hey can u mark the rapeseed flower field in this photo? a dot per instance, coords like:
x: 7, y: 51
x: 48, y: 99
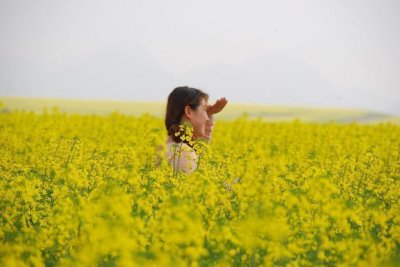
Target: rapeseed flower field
x: 91, y: 190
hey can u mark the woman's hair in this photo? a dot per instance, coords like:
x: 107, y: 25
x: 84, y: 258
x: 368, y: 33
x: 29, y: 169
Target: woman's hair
x: 177, y: 100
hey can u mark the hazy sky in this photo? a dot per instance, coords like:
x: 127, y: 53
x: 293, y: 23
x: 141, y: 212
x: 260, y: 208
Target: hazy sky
x: 306, y: 53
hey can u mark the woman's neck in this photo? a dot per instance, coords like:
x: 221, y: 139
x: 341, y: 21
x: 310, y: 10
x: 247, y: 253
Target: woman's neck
x: 169, y: 139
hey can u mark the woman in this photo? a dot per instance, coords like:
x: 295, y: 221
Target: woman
x: 188, y: 105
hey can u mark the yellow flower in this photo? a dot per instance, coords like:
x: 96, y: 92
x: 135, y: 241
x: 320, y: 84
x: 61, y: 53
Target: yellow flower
x: 305, y: 194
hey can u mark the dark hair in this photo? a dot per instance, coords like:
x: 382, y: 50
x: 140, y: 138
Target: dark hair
x: 177, y: 100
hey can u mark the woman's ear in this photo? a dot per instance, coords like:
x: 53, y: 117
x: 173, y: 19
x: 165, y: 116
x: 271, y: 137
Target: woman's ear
x: 188, y: 112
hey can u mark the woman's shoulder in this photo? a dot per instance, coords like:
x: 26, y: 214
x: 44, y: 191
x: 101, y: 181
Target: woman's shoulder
x: 182, y: 146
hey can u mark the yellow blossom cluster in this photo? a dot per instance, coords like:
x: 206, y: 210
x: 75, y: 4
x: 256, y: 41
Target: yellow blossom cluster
x: 91, y: 190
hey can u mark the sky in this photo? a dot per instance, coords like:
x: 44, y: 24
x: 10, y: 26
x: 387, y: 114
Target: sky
x: 339, y: 53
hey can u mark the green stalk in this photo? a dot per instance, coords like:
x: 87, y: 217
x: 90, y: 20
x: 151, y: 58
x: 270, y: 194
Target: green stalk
x: 179, y: 155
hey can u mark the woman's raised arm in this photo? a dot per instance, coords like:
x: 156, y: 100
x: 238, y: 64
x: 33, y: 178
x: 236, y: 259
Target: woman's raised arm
x: 209, y: 128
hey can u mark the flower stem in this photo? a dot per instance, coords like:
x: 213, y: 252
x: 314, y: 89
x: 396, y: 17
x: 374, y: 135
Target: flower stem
x: 179, y: 155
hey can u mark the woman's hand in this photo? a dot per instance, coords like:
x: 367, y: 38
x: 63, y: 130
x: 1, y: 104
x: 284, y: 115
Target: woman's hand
x: 217, y: 107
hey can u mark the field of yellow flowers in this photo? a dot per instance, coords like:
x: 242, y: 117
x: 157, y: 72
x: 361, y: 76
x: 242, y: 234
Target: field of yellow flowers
x: 91, y: 190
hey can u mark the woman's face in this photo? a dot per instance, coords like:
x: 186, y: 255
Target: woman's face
x: 198, y: 118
